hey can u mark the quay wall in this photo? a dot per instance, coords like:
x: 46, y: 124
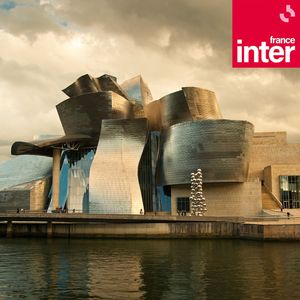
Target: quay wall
x: 160, y: 229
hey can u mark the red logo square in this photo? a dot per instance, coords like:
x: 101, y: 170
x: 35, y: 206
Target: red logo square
x: 265, y: 33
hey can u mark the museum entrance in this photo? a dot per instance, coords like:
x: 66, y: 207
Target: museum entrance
x: 290, y: 191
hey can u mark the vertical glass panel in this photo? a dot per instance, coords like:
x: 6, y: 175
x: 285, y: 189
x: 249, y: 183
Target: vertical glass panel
x: 290, y: 191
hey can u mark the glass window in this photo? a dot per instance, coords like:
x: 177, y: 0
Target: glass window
x: 290, y: 191
x: 183, y: 204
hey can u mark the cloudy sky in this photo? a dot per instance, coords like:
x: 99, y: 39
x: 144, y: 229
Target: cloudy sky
x: 47, y: 44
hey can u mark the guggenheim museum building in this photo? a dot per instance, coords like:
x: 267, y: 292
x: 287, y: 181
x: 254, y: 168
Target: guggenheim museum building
x: 124, y: 152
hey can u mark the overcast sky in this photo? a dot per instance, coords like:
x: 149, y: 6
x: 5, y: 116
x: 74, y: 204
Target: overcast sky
x: 47, y: 44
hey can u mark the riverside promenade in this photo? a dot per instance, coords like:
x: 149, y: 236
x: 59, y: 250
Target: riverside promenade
x: 71, y: 225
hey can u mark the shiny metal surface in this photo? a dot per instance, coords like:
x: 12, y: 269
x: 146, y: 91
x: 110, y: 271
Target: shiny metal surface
x: 147, y: 171
x: 137, y: 89
x: 114, y: 183
x: 83, y: 85
x: 87, y: 84
x: 202, y: 103
x: 188, y: 104
x: 44, y: 147
x: 109, y: 83
x: 153, y: 114
x: 83, y: 114
x: 219, y: 147
x: 174, y: 109
x: 145, y: 145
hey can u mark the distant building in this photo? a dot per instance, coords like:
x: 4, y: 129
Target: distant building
x: 125, y: 153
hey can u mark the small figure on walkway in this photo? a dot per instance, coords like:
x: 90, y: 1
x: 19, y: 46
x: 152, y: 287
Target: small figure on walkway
x: 141, y: 211
x: 73, y: 210
x: 18, y: 210
x: 288, y: 215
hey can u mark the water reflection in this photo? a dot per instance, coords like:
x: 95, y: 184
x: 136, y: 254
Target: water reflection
x: 148, y: 269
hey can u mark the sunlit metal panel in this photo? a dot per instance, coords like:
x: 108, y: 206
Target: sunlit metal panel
x: 202, y: 103
x: 83, y: 114
x: 153, y: 114
x: 221, y: 148
x: 174, y: 109
x: 137, y: 90
x: 188, y: 104
x: 83, y: 85
x: 114, y: 184
x: 109, y: 83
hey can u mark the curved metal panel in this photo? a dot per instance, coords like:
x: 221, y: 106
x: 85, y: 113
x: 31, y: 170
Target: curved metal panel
x: 87, y: 84
x: 174, y: 109
x: 137, y: 90
x: 186, y: 105
x: 137, y: 111
x: 21, y: 148
x: 83, y: 114
x: 121, y: 108
x: 109, y: 83
x: 147, y: 172
x: 114, y: 184
x: 153, y: 114
x: 221, y: 148
x: 44, y: 146
x: 83, y: 85
x: 202, y: 103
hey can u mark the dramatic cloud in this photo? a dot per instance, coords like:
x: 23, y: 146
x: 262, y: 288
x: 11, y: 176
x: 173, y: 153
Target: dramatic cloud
x: 47, y: 44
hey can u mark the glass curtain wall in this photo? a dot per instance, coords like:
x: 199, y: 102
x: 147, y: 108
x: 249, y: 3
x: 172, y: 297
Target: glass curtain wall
x: 290, y: 191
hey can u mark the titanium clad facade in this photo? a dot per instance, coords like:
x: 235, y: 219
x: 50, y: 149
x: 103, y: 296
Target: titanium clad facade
x: 114, y: 183
x: 174, y: 109
x: 83, y: 114
x: 202, y: 103
x: 188, y: 104
x: 85, y: 84
x: 109, y: 83
x: 147, y: 171
x: 121, y: 108
x: 153, y: 114
x: 127, y: 153
x: 137, y: 90
x: 221, y: 148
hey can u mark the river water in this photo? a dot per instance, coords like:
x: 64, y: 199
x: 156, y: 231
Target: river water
x: 148, y: 269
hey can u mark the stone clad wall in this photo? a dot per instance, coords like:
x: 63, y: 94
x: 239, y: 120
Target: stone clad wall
x: 272, y: 173
x: 30, y: 196
x: 39, y: 193
x: 196, y: 229
x: 269, y: 149
x: 226, y: 199
x: 13, y: 199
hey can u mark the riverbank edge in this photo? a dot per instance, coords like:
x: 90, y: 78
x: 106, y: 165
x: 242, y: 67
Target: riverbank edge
x: 150, y: 227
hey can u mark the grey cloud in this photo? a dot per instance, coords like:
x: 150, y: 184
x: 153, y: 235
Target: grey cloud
x: 28, y: 18
x: 188, y: 22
